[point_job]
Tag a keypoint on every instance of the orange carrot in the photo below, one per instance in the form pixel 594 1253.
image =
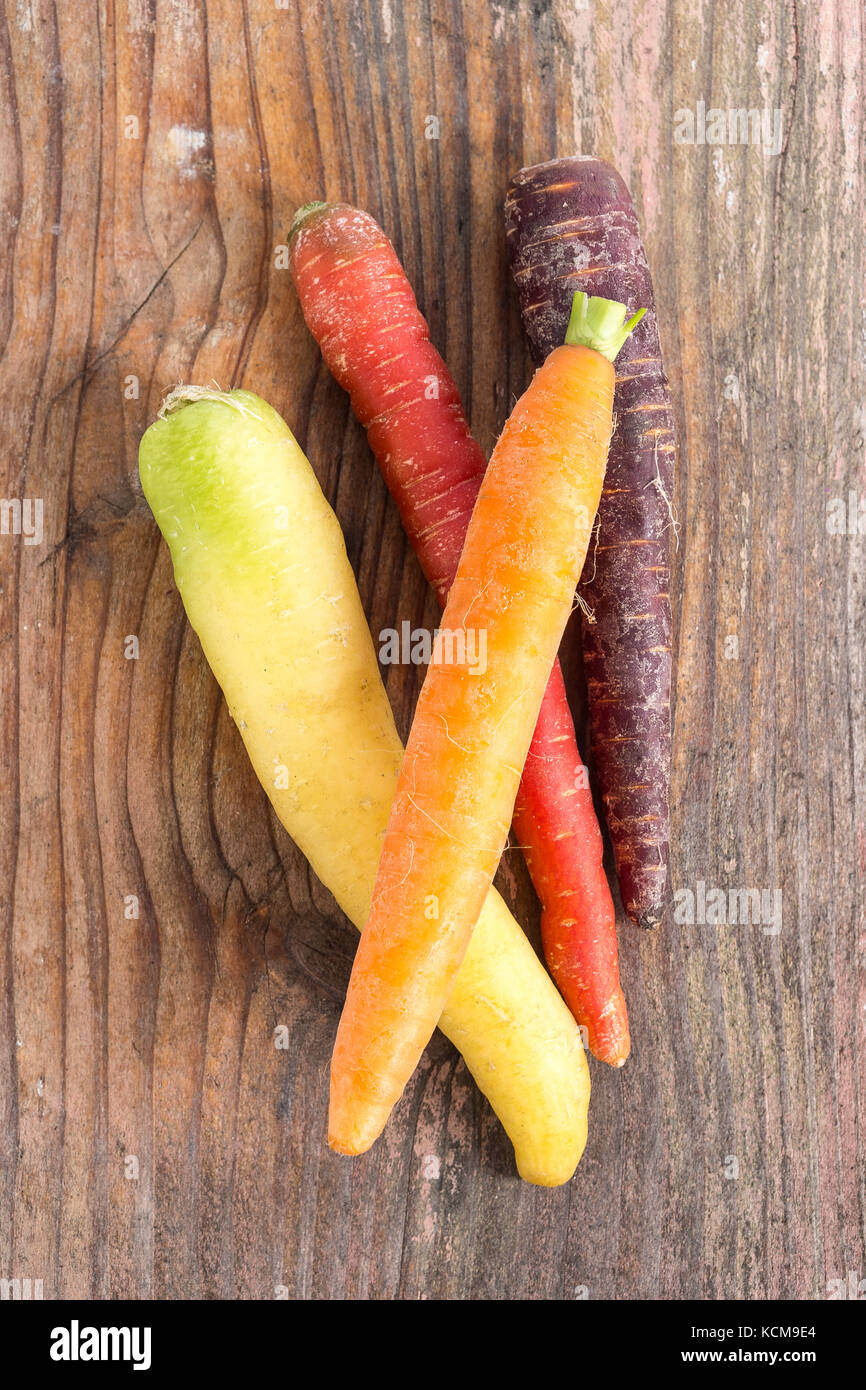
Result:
pixel 512 596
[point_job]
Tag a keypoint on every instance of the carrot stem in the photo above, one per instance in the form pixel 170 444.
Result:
pixel 598 323
pixel 301 216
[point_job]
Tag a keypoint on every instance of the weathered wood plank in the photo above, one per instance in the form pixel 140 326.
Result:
pixel 156 150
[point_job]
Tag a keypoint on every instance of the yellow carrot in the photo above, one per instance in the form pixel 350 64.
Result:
pixel 524 551
pixel 261 565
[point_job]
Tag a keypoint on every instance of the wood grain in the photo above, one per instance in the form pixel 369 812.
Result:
pixel 154 152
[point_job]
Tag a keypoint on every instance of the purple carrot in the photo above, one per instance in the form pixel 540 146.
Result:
pixel 571 225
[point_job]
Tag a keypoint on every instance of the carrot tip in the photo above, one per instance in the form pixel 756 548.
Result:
pixel 344 1150
pixel 647 920
pixel 613 1057
pixel 351 1135
pixel 351 1144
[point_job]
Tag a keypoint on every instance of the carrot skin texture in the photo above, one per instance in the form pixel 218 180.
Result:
pixel 578 919
pixel 571 225
pixel 524 551
pixel 341 257
pixel 417 429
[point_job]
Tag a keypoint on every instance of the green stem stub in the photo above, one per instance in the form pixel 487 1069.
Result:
pixel 598 323
pixel 301 216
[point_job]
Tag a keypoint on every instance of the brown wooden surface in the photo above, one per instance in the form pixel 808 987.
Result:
pixel 154 257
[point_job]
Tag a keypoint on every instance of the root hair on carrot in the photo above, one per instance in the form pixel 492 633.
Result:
pixel 659 486
pixel 188 395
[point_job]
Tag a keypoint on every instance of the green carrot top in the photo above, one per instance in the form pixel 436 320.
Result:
pixel 598 323
pixel 301 216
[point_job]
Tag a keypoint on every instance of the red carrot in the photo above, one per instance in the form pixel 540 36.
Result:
pixel 361 309
pixel 571 225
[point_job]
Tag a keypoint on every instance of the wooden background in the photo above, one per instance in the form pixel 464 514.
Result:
pixel 153 154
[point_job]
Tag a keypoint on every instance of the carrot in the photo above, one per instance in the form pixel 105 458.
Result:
pixel 523 555
pixel 360 307
pixel 261 566
pixel 571 223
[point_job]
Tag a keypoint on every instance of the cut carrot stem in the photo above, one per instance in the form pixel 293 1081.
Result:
pixel 361 309
pixel 524 551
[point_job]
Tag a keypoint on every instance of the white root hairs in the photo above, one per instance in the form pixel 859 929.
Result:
pixel 579 601
pixel 448 735
pixel 659 486
pixel 186 395
pixel 475 598
pixel 441 828
pixel 411 862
